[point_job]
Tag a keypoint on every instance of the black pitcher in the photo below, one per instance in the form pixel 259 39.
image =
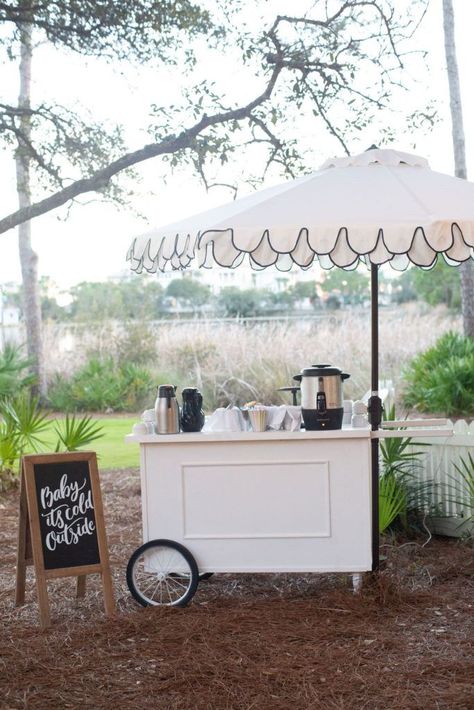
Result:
pixel 192 416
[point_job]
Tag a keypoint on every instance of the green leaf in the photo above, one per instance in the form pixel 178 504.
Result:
pixel 392 501
pixel 465 472
pixel 23 417
pixel 12 370
pixel 75 433
pixel 9 448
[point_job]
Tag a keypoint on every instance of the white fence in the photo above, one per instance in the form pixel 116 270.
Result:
pixel 448 497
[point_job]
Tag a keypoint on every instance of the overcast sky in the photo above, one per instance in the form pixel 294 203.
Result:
pixel 92 243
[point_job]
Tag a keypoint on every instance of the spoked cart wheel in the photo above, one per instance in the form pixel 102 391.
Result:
pixel 162 573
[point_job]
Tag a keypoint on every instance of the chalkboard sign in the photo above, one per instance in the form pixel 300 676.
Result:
pixel 62 527
pixel 66 514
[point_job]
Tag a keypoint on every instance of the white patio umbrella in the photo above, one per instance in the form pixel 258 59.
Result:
pixel 382 206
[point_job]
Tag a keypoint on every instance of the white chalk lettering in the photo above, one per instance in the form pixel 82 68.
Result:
pixel 83 504
pixel 70 534
pixel 54 518
pixel 66 490
pixel 65 510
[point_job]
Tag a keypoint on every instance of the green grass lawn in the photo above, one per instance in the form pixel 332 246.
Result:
pixel 111 449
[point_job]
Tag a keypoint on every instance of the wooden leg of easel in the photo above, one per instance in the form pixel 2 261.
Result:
pixel 109 601
pixel 81 586
pixel 20 582
pixel 45 618
pixel 23 530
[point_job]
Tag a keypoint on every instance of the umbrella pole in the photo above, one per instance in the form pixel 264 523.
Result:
pixel 375 411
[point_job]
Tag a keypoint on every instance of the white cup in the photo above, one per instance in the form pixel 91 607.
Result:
pixel 258 419
pixel 149 420
pixel 139 429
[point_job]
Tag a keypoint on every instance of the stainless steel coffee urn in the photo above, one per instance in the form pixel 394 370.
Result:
pixel 321 396
pixel 167 410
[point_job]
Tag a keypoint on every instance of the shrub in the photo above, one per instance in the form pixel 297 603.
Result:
pixel 441 379
pixel 138 383
pixel 13 370
pixel 102 384
pixel 135 343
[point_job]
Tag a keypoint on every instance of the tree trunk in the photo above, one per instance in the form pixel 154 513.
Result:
pixel 460 170
pixel 28 258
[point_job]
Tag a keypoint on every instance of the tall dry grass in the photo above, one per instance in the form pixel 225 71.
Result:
pixel 236 362
pixel 232 362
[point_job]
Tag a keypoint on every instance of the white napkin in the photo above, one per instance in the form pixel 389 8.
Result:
pixel 286 417
pixel 230 419
pixel 275 417
pixel 292 421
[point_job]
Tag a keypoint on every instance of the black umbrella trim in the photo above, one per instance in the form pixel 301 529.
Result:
pixel 182 258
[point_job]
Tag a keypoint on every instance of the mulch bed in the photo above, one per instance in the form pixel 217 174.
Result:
pixel 246 641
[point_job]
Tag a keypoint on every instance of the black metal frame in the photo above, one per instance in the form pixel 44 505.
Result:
pixel 375 411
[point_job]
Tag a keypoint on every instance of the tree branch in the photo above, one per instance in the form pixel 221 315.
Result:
pixel 328 123
pixel 323 74
pixel 171 144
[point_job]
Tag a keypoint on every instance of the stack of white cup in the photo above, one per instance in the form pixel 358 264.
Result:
pixel 359 414
pixel 347 416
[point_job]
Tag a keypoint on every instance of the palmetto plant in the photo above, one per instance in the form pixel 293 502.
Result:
pixel 8 457
pixel 102 384
pixel 24 421
pixel 398 456
pixel 22 427
pixel 13 370
pixel 75 433
pixel 466 472
pixel 465 476
pixel 399 490
pixel 392 501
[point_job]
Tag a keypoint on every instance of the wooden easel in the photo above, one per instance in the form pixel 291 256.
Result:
pixel 30 544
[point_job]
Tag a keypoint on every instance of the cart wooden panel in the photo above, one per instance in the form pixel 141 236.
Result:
pixel 261 502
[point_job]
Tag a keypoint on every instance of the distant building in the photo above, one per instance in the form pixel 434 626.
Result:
pixel 9 315
pixel 243 277
pixel 10 322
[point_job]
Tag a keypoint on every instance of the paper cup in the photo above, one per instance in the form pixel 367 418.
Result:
pixel 258 419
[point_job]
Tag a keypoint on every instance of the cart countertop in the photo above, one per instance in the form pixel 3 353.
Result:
pixel 222 436
pixel 413 429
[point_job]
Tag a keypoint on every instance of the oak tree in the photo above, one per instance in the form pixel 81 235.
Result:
pixel 338 61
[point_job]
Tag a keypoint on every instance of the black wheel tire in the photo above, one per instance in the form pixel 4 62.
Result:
pixel 192 582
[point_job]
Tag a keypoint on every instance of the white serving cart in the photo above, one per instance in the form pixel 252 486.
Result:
pixel 252 502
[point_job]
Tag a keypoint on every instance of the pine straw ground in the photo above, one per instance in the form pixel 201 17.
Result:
pixel 276 642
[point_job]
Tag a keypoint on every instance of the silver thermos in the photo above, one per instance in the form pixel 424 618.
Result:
pixel 167 410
